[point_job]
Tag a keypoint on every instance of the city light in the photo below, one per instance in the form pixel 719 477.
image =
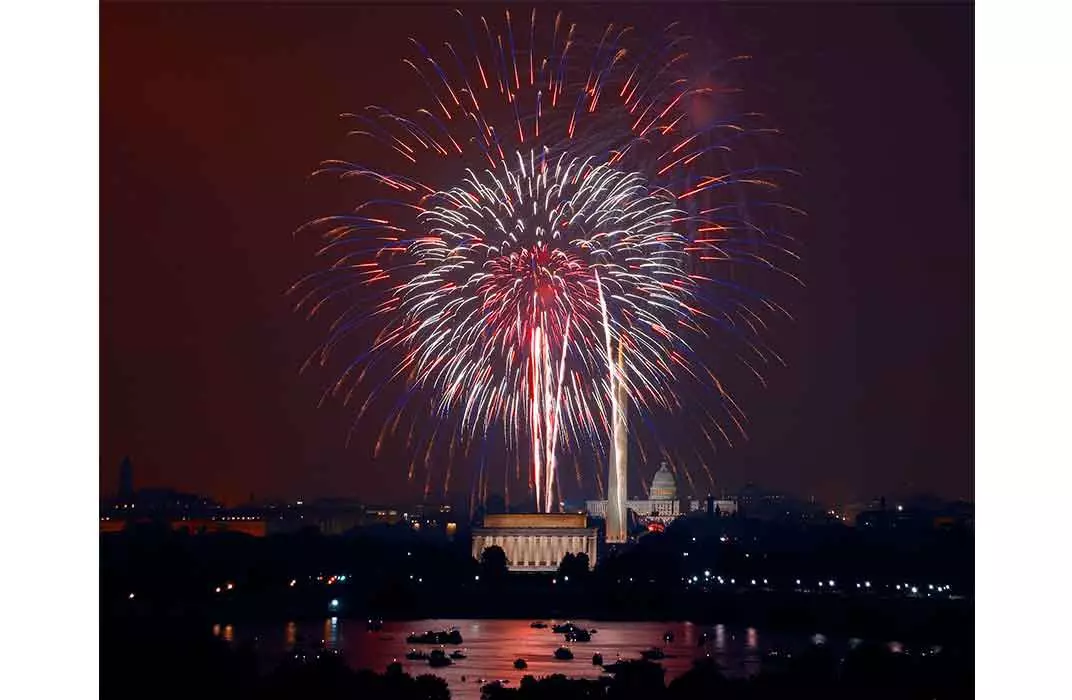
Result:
pixel 293 582
pixel 230 586
pixel 218 589
pixel 131 596
pixel 334 603
pixel 477 577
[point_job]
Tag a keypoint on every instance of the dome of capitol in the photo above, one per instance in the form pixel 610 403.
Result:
pixel 663 485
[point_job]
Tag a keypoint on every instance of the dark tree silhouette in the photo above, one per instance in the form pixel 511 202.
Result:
pixel 574 565
pixel 493 562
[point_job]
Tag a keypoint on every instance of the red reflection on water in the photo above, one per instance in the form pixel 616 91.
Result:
pixel 492 646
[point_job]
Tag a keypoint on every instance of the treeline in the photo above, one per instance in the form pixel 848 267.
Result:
pixel 394 572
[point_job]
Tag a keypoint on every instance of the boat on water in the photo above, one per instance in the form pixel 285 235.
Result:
pixel 416 655
pixel 563 654
pixel 564 628
pixel 521 664
pixel 578 635
pixel 374 624
pixel 597 659
pixel 668 637
pixel 438 658
pixel 653 654
pixel 537 625
pixel 452 636
pixel 614 667
pixel 457 654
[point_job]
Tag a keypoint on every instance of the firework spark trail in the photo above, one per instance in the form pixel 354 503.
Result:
pixel 540 208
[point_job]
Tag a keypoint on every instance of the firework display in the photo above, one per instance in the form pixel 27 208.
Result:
pixel 554 241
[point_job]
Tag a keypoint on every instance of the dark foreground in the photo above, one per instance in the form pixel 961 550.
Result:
pixel 178 659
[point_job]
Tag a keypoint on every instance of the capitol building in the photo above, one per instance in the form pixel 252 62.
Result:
pixel 662 503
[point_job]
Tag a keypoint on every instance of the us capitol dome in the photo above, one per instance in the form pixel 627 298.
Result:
pixel 663 485
pixel 662 503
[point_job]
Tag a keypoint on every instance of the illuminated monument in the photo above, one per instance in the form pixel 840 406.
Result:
pixel 662 503
pixel 617 477
pixel 537 541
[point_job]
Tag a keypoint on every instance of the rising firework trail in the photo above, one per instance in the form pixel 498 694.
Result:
pixel 536 221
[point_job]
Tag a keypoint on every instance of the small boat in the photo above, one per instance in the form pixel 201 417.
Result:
pixel 457 654
pixel 374 625
pixel 563 654
pixel 652 654
pixel 538 625
pixel 668 637
pixel 578 635
pixel 564 628
pixel 416 655
pixel 592 631
pixel 521 665
pixel 438 658
pixel 614 667
pixel 597 659
pixel 452 636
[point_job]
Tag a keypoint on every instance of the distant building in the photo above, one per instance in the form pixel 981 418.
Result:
pixel 714 506
pixel 661 505
pixel 536 541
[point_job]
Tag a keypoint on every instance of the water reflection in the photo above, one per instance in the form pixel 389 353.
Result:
pixel 331 633
pixel 491 646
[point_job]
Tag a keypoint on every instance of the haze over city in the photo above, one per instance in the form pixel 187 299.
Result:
pixel 212 116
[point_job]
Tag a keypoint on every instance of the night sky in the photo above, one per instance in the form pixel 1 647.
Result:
pixel 212 116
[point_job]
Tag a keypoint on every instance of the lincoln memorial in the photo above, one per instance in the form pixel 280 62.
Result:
pixel 537 541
